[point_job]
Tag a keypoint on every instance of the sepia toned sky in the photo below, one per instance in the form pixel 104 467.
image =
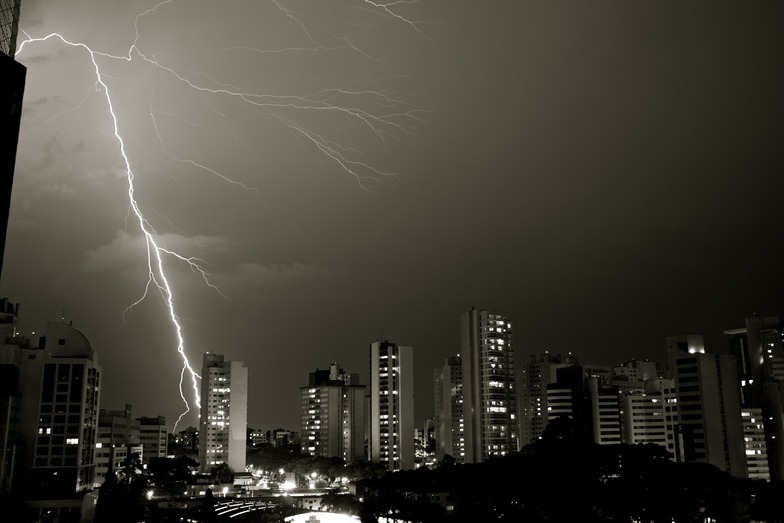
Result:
pixel 604 173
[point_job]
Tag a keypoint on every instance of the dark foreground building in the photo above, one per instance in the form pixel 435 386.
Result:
pixel 12 82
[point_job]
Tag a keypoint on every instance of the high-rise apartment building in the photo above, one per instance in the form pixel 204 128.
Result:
pixel 647 413
pixel 756 447
pixel 533 378
pixel 223 420
pixel 606 413
pixel 9 26
pixel 759 351
pixel 117 438
pixel 52 402
pixel 154 437
pixel 582 394
pixel 333 415
pixel 489 402
pixel 448 404
pixel 68 414
pixel 391 435
pixel 709 427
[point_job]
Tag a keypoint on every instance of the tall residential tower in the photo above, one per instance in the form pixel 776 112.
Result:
pixel 333 415
pixel 759 352
pixel 391 439
pixel 224 413
pixel 489 403
pixel 709 427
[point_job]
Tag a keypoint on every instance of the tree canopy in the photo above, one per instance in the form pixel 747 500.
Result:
pixel 563 479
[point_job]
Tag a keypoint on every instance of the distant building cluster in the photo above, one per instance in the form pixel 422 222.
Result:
pixel 724 408
pixel 475 403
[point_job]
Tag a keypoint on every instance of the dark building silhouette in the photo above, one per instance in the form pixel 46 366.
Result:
pixel 50 404
pixel 532 380
pixel 759 351
pixel 709 424
pixel 569 398
pixel 448 406
pixel 12 86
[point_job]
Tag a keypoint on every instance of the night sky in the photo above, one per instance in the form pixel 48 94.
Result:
pixel 604 173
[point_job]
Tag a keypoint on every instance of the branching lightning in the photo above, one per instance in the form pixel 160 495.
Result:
pixel 388 117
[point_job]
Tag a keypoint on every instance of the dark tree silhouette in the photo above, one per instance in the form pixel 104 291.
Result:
pixel 207 510
pixel 122 497
pixel 606 483
pixel 222 473
pixel 170 476
pixel 345 503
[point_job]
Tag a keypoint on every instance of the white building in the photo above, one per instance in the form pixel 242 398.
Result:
pixel 154 437
pixel 223 419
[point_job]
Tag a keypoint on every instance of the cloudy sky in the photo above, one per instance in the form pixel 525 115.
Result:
pixel 604 173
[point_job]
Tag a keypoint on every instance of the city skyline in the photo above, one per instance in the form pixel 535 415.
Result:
pixel 604 175
pixel 654 367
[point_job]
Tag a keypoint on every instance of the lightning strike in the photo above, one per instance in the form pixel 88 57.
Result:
pixel 387 117
pixel 388 8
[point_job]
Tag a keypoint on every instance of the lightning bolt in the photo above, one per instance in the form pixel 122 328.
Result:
pixel 388 117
